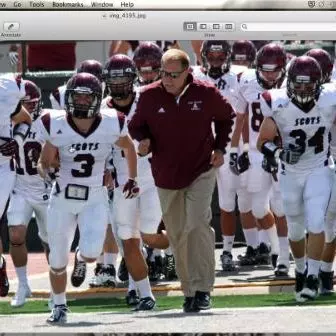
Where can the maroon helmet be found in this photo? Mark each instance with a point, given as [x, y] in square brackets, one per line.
[32, 100]
[147, 59]
[83, 95]
[271, 58]
[304, 80]
[243, 50]
[93, 67]
[216, 57]
[325, 61]
[120, 75]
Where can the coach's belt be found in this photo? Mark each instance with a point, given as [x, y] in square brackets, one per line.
[77, 192]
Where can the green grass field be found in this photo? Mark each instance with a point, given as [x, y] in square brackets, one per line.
[164, 303]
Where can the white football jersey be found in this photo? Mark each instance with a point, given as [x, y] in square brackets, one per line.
[226, 84]
[11, 92]
[28, 181]
[57, 98]
[248, 101]
[309, 130]
[82, 156]
[118, 156]
[333, 128]
[228, 87]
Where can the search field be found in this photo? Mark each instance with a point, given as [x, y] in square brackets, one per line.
[288, 26]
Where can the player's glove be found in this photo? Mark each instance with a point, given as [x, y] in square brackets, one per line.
[131, 189]
[291, 155]
[243, 162]
[50, 176]
[10, 148]
[271, 166]
[234, 163]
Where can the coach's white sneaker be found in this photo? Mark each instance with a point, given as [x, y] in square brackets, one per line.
[21, 294]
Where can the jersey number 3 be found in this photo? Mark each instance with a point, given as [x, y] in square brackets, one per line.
[87, 161]
[315, 141]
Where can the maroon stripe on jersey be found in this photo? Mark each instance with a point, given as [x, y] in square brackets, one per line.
[93, 127]
[109, 103]
[57, 96]
[46, 122]
[18, 80]
[121, 119]
[268, 99]
[239, 76]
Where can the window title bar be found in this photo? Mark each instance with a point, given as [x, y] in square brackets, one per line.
[167, 4]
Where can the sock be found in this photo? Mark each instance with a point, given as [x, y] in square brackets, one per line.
[131, 283]
[79, 256]
[157, 253]
[21, 273]
[283, 251]
[326, 266]
[108, 258]
[263, 236]
[300, 264]
[100, 259]
[144, 288]
[168, 251]
[1, 261]
[228, 243]
[273, 238]
[251, 237]
[59, 299]
[313, 267]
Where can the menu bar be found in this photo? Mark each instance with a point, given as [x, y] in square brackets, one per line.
[168, 4]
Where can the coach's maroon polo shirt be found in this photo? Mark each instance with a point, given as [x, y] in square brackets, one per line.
[180, 130]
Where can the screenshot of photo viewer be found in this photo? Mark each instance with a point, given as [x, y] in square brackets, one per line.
[47, 40]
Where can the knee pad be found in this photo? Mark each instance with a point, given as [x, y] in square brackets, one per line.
[277, 208]
[296, 227]
[125, 233]
[260, 210]
[244, 202]
[227, 201]
[316, 222]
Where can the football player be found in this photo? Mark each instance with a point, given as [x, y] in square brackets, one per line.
[216, 57]
[147, 59]
[326, 273]
[82, 137]
[269, 73]
[90, 66]
[15, 124]
[30, 194]
[137, 218]
[302, 114]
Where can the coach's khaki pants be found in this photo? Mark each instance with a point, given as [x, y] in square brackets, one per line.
[187, 215]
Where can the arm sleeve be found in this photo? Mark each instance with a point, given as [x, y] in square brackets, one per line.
[138, 127]
[43, 128]
[241, 103]
[223, 117]
[266, 104]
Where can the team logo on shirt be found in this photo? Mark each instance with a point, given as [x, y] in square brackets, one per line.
[83, 147]
[195, 105]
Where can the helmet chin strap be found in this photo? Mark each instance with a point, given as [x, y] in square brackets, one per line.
[215, 73]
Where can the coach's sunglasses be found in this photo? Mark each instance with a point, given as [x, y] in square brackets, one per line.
[173, 75]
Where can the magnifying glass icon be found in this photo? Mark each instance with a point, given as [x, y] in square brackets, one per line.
[244, 26]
